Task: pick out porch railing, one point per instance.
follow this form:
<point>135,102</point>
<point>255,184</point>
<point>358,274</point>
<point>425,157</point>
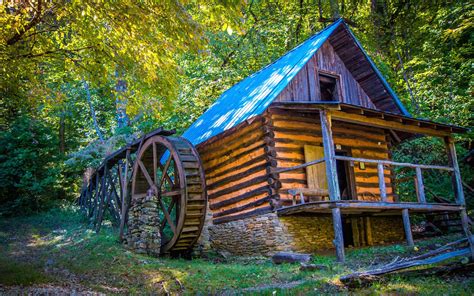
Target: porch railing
<point>419,183</point>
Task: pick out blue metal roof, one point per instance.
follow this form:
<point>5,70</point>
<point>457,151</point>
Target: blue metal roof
<point>254,94</point>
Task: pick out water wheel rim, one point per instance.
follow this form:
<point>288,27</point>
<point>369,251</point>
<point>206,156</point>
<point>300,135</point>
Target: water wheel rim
<point>172,149</point>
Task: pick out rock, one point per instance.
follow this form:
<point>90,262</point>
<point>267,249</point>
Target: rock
<point>312,267</point>
<point>288,257</point>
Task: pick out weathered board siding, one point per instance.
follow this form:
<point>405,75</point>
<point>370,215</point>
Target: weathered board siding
<point>294,130</point>
<point>236,176</point>
<point>360,68</point>
<point>305,86</point>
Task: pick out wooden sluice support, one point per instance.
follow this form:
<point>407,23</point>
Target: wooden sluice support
<point>108,187</point>
<point>161,179</point>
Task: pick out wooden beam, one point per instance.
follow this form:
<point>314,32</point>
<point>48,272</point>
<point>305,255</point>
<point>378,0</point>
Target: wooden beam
<point>338,235</point>
<point>386,124</point>
<point>407,226</point>
<point>367,206</point>
<point>388,162</point>
<point>329,155</point>
<point>301,166</point>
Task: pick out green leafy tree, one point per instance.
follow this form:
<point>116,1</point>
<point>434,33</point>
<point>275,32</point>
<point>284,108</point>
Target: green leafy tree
<point>29,172</point>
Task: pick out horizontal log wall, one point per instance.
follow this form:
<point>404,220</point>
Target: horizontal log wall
<point>305,86</point>
<point>236,172</point>
<point>293,130</point>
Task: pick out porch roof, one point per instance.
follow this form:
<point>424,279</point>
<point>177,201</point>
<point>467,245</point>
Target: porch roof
<point>383,119</point>
<point>359,207</point>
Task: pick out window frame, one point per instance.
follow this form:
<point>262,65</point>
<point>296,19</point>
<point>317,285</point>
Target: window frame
<point>337,77</point>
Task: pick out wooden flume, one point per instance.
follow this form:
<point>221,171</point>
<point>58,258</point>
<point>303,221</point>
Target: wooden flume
<point>156,164</point>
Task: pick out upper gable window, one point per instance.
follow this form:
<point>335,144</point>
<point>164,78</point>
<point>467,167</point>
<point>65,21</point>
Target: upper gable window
<point>329,87</point>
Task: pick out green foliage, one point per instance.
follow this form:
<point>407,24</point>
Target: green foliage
<point>428,150</point>
<point>164,63</point>
<point>29,172</point>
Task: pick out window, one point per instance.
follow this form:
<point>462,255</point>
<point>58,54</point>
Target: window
<point>329,88</point>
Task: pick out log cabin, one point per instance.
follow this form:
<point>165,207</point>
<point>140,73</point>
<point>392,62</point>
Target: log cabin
<point>297,156</point>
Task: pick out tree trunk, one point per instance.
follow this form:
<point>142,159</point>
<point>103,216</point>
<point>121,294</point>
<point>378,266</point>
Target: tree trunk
<point>62,132</point>
<point>91,107</point>
<point>121,100</point>
<point>334,9</point>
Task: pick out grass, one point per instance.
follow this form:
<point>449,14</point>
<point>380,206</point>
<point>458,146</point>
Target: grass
<point>57,247</point>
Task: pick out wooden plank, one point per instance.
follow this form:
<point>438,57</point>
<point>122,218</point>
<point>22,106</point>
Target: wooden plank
<point>382,123</point>
<point>407,227</point>
<point>387,162</point>
<point>315,174</point>
<point>368,206</point>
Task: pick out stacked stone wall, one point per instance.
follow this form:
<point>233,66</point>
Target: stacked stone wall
<point>267,234</point>
<point>308,233</point>
<point>387,229</point>
<point>256,236</point>
<point>143,234</point>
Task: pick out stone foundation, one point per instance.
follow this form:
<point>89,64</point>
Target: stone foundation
<point>143,234</point>
<point>256,236</point>
<point>267,234</point>
<point>387,229</point>
<point>309,233</point>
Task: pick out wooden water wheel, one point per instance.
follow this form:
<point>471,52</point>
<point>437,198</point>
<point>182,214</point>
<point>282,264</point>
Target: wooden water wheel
<point>170,169</point>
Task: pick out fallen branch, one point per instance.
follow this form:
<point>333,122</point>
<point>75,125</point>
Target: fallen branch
<point>444,253</point>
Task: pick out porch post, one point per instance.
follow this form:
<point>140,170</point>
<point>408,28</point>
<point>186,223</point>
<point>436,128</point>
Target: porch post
<point>458,191</point>
<point>453,162</point>
<point>333,186</point>
<point>407,226</point>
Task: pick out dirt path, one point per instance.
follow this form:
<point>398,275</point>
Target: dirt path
<point>49,290</point>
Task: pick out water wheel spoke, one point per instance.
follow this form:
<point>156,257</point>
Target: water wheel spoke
<point>145,173</point>
<point>155,163</point>
<point>167,216</point>
<point>168,179</point>
<point>165,170</point>
<point>170,208</point>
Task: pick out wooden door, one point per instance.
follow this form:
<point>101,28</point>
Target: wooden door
<point>315,174</point>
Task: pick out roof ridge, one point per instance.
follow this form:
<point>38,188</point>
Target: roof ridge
<point>338,21</point>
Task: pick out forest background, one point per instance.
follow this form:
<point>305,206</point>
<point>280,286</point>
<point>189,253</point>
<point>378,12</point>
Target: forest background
<point>78,79</point>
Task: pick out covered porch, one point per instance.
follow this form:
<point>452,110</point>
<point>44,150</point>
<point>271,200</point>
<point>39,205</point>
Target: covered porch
<point>331,201</point>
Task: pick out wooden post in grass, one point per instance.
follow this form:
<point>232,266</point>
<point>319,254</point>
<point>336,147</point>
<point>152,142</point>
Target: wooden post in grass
<point>407,226</point>
<point>333,186</point>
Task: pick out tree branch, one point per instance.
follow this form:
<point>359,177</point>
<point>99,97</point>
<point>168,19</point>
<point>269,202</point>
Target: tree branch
<point>34,21</point>
<point>31,55</point>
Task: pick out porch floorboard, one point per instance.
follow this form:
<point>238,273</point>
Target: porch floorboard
<point>367,207</point>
